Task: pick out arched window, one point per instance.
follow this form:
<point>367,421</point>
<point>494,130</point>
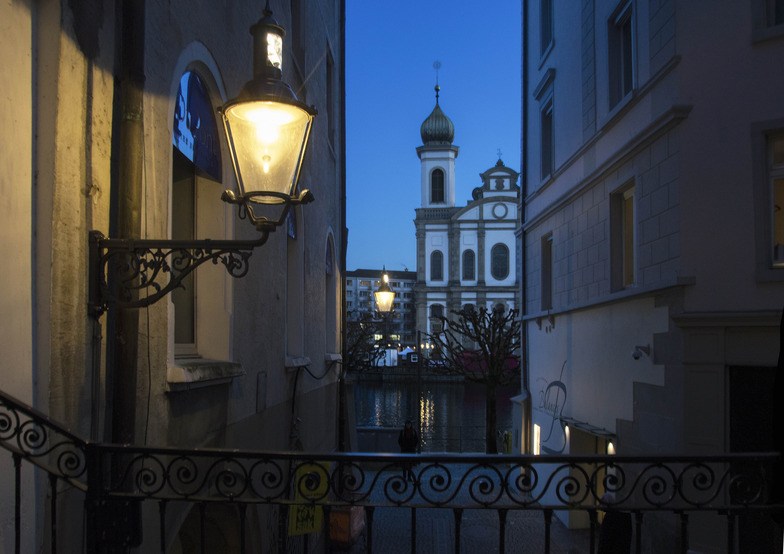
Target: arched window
<point>499,261</point>
<point>331,298</point>
<point>295,284</point>
<point>199,314</point>
<point>469,264</point>
<point>436,310</point>
<point>437,186</point>
<point>436,266</point>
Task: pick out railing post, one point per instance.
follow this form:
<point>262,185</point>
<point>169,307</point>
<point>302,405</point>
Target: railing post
<point>93,534</point>
<point>684,532</point>
<point>162,523</point>
<point>413,530</point>
<point>243,510</point>
<point>369,522</point>
<point>502,530</point>
<point>548,519</point>
<point>203,526</point>
<point>17,503</point>
<point>594,523</point>
<point>730,531</point>
<point>638,532</point>
<point>458,513</point>
<point>53,509</point>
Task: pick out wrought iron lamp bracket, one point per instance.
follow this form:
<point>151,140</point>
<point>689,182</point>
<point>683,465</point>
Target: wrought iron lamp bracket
<point>145,270</point>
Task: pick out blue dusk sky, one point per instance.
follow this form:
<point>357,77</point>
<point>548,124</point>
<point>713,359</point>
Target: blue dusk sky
<point>390,52</point>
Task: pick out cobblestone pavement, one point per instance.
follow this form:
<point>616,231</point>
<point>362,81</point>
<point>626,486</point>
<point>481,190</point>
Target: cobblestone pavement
<point>479,532</point>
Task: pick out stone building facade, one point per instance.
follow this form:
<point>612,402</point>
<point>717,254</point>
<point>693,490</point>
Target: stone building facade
<point>653,280</point>
<point>229,372</point>
<point>465,254</point>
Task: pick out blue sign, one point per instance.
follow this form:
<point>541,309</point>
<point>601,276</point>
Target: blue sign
<point>195,132</point>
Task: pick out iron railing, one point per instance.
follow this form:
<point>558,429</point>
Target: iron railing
<point>116,480</point>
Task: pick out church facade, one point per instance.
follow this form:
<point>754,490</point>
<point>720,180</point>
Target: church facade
<point>466,255</point>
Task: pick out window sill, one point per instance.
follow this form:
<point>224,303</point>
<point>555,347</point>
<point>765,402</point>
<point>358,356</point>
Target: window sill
<point>546,53</point>
<point>187,374</point>
<point>294,363</point>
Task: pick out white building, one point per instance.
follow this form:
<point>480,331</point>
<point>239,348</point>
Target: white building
<point>653,156</point>
<point>469,254</point>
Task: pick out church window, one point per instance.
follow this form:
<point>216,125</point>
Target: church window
<point>437,266</point>
<point>437,186</point>
<point>499,261</point>
<point>469,264</point>
<point>436,310</point>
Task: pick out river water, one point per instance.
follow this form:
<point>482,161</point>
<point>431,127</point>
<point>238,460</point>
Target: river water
<point>453,414</point>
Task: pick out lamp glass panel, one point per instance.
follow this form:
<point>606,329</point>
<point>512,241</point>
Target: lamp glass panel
<point>384,300</point>
<point>275,50</point>
<point>268,140</point>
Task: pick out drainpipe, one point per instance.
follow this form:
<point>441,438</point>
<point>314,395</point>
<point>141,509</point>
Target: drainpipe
<point>526,431</point>
<point>344,238</point>
<point>125,215</point>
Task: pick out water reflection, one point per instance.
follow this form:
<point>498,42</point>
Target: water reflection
<point>452,413</point>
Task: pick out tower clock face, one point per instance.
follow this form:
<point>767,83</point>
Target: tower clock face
<point>500,211</point>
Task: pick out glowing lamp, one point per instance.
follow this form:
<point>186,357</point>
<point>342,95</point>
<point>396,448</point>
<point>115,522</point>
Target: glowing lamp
<point>385,296</point>
<point>267,130</point>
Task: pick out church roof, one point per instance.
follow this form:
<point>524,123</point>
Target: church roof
<point>437,128</point>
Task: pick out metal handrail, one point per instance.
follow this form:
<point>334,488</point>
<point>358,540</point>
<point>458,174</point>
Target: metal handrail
<point>726,483</point>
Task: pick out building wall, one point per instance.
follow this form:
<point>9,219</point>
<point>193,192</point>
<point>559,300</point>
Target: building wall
<point>691,145</point>
<point>60,133</point>
<point>486,221</point>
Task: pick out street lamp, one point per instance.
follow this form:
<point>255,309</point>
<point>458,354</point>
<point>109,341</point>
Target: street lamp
<point>385,296</point>
<point>267,130</point>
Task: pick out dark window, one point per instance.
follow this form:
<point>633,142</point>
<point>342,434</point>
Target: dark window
<point>436,266</point>
<point>469,264</point>
<point>437,186</point>
<point>621,54</point>
<point>546,21</point>
<point>547,272</point>
<point>547,140</point>
<point>499,262</point>
<point>436,310</point>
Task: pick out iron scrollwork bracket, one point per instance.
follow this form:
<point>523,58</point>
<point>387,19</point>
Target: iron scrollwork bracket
<point>134,273</point>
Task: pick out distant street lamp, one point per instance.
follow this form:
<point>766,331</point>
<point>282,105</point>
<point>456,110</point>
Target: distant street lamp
<point>385,296</point>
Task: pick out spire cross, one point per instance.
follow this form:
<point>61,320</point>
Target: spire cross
<point>437,66</point>
<point>499,153</point>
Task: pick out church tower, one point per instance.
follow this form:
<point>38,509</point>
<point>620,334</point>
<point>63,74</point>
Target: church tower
<point>466,255</point>
<point>437,156</point>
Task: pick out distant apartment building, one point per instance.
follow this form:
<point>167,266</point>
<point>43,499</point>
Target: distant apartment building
<point>653,153</point>
<point>466,255</point>
<point>360,286</point>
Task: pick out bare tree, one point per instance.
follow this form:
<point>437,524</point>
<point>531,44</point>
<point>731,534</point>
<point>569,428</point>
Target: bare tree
<point>362,349</point>
<point>482,346</point>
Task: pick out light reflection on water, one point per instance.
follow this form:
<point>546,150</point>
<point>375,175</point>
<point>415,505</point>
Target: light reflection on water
<point>452,413</point>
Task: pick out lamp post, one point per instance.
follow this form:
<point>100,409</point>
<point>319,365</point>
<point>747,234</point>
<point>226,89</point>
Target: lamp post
<point>267,130</point>
<point>385,298</point>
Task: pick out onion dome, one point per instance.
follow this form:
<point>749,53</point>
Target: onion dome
<point>437,128</point>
